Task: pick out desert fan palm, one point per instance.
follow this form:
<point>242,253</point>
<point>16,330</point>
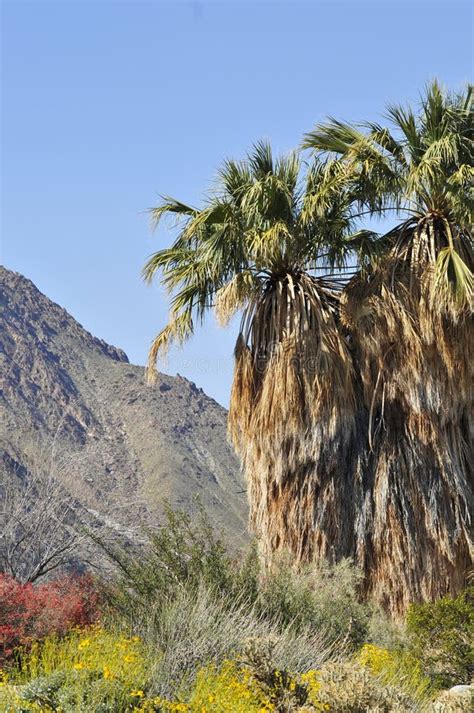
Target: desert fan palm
<point>265,244</point>
<point>410,320</point>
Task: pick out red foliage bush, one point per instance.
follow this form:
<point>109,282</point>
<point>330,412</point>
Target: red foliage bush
<point>29,612</point>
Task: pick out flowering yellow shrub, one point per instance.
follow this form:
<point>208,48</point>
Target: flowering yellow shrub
<point>375,658</point>
<point>217,690</point>
<point>313,685</point>
<point>94,650</point>
<point>234,688</point>
<point>394,667</point>
<point>84,670</point>
<point>229,688</point>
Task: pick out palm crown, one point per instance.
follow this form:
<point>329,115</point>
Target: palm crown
<point>264,227</point>
<point>421,167</point>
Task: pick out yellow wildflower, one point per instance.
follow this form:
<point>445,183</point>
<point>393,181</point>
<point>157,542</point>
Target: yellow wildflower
<point>137,694</point>
<point>84,644</point>
<point>107,673</point>
<point>78,666</point>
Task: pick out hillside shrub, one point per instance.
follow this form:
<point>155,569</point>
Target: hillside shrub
<point>441,635</point>
<point>30,612</point>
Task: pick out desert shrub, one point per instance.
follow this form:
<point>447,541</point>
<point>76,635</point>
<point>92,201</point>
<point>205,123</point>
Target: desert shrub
<point>30,612</point>
<point>454,701</point>
<point>227,688</point>
<point>441,635</point>
<point>325,598</point>
<point>187,555</point>
<point>196,629</point>
<point>43,690</point>
<point>282,689</point>
<point>352,688</point>
<point>385,632</point>
<point>181,554</point>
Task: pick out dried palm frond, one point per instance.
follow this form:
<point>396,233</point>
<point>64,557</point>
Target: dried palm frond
<point>233,297</point>
<point>417,374</point>
<point>291,417</point>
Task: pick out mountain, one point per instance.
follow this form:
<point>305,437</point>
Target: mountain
<point>123,447</point>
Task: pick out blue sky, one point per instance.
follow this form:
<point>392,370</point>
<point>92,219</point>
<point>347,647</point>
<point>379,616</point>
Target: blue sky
<point>107,104</point>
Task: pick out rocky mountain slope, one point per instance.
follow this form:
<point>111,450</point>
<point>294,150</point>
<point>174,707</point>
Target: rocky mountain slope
<point>127,446</point>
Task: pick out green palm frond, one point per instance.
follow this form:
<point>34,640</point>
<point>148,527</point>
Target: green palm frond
<point>169,206</point>
<point>260,161</point>
<point>453,281</point>
<point>421,164</point>
<point>410,162</point>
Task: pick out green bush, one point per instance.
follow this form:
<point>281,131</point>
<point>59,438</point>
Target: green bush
<point>186,555</point>
<point>325,598</point>
<point>44,690</point>
<point>180,554</point>
<point>89,692</point>
<point>441,635</point>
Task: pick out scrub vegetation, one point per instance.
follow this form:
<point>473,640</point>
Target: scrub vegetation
<point>196,630</point>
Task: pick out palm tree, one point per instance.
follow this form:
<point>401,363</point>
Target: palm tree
<point>410,320</point>
<point>264,244</point>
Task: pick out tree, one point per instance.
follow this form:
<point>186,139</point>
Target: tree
<point>40,529</point>
<point>266,243</point>
<point>410,324</point>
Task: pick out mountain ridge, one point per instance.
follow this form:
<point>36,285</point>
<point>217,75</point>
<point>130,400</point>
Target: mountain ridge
<point>136,445</point>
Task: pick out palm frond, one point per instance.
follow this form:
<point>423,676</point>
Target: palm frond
<point>234,296</point>
<point>453,283</point>
<point>178,329</point>
<point>169,206</point>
